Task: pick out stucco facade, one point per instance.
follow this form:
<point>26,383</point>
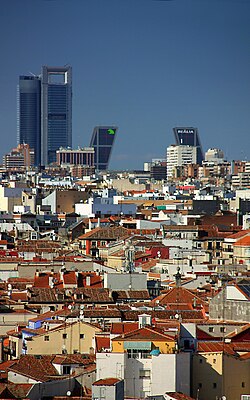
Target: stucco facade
<point>75,337</point>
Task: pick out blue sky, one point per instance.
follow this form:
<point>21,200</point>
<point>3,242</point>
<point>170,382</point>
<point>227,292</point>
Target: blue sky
<point>143,65</point>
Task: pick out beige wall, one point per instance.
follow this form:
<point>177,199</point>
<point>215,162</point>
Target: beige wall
<point>236,374</point>
<point>207,370</point>
<point>66,200</point>
<point>56,342</point>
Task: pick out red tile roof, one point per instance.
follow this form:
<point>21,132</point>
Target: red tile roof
<point>219,347</point>
<point>118,328</point>
<point>15,390</point>
<point>178,295</point>
<point>239,234</point>
<point>111,233</point>
<point>245,241</point>
<point>179,396</point>
<point>37,368</point>
<point>145,333</point>
<point>106,382</point>
<point>102,342</point>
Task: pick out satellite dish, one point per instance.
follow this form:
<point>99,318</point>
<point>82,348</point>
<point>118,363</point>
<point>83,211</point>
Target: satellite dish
<point>68,393</point>
<point>176,316</point>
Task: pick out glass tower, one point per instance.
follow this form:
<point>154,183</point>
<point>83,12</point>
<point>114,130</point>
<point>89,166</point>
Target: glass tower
<point>56,111</point>
<point>102,140</point>
<point>190,137</point>
<point>29,113</point>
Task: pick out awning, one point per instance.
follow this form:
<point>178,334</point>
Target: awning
<point>138,345</point>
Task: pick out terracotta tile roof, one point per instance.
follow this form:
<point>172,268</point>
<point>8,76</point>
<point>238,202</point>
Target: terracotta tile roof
<point>239,234</point>
<point>15,390</point>
<point>118,328</point>
<point>85,359</point>
<point>148,265</point>
<point>102,342</point>
<point>93,295</point>
<point>245,241</point>
<point>19,296</point>
<point>131,294</point>
<point>178,295</point>
<point>95,280</point>
<point>106,382</point>
<point>4,369</point>
<point>69,278</point>
<point>39,368</point>
<point>112,233</point>
<point>179,396</point>
<point>219,347</point>
<point>202,335</point>
<point>42,295</point>
<point>187,315</point>
<point>101,313</point>
<point>245,329</point>
<point>145,333</point>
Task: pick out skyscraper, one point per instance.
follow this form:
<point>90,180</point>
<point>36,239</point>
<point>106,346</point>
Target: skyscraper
<point>44,112</point>
<point>56,111</point>
<point>190,137</point>
<point>29,113</point>
<point>102,140</point>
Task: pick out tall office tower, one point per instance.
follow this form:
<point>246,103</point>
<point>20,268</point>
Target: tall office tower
<point>56,111</point>
<point>190,137</point>
<point>29,113</point>
<point>102,140</point>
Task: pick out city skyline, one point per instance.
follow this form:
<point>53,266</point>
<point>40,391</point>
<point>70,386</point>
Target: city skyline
<point>145,66</point>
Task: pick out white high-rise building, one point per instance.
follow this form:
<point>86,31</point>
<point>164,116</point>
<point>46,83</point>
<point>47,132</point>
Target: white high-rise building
<point>178,155</point>
<point>214,155</point>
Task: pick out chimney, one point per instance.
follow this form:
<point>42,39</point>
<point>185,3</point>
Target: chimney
<point>88,282</point>
<point>178,278</point>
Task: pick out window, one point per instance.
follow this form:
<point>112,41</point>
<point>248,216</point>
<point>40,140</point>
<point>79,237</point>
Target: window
<point>66,369</point>
<point>214,385</point>
<point>82,335</point>
<point>46,338</point>
<point>64,336</point>
<point>211,329</point>
<point>245,397</point>
<point>200,360</point>
<point>103,243</point>
<point>144,373</point>
<point>214,361</point>
<point>222,329</point>
<point>243,384</point>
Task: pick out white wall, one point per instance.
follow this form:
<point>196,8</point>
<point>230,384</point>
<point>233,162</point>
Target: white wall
<point>169,372</point>
<point>234,294</point>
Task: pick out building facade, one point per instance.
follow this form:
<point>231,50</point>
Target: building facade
<point>179,155</point>
<point>19,158</point>
<point>80,156</point>
<point>189,136</point>
<point>56,111</point>
<point>102,140</point>
<point>29,113</point>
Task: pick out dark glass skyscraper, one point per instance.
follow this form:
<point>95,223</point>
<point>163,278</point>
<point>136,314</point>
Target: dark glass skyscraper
<point>56,111</point>
<point>44,112</point>
<point>102,140</point>
<point>29,113</point>
<point>190,137</point>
